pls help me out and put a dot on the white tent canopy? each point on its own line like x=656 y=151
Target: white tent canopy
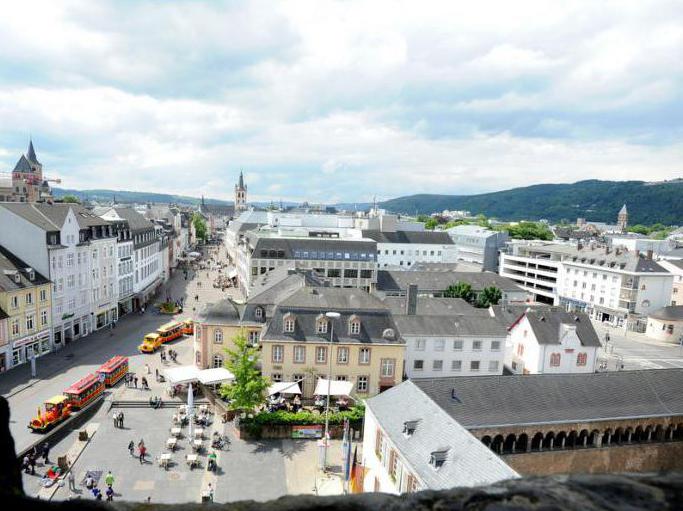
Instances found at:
x=337 y=388
x=182 y=374
x=284 y=387
x=215 y=375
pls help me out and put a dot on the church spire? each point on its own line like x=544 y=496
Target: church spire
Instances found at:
x=31 y=154
x=241 y=182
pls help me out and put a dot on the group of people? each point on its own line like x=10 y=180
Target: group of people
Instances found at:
x=278 y=402
x=172 y=354
x=91 y=485
x=142 y=450
x=28 y=464
x=132 y=381
x=118 y=419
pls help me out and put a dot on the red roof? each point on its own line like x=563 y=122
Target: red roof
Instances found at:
x=83 y=384
x=112 y=364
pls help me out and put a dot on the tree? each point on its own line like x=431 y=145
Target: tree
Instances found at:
x=248 y=390
x=460 y=290
x=489 y=296
x=199 y=226
x=431 y=224
x=71 y=199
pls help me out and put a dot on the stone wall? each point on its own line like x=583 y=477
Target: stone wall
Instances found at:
x=622 y=458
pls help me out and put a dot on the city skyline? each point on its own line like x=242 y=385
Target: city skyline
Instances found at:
x=179 y=97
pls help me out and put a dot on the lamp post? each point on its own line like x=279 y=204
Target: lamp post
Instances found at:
x=332 y=316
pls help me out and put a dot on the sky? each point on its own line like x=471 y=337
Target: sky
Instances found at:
x=331 y=101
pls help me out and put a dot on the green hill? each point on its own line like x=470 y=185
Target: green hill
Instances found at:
x=600 y=201
x=137 y=197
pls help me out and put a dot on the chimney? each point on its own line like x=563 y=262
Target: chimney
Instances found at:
x=411 y=300
x=649 y=254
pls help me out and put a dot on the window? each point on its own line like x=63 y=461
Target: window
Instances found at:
x=362 y=384
x=299 y=354
x=581 y=359
x=411 y=485
x=29 y=322
x=217 y=361
x=520 y=349
x=495 y=345
x=276 y=377
x=554 y=360
x=354 y=327
x=438 y=458
x=342 y=355
x=258 y=313
x=474 y=365
x=15 y=327
x=288 y=326
x=253 y=337
x=387 y=367
x=393 y=464
x=320 y=354
x=278 y=353
x=321 y=326
x=364 y=356
x=476 y=345
x=439 y=345
x=15 y=301
x=29 y=298
x=418 y=365
x=69 y=260
x=43 y=295
x=437 y=365
x=379 y=438
x=218 y=336
x=420 y=345
x=456 y=365
x=493 y=366
x=43 y=318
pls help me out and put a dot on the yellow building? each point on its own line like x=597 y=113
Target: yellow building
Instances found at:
x=365 y=345
x=25 y=297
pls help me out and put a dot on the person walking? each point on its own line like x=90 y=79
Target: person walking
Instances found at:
x=46 y=453
x=115 y=416
x=109 y=479
x=143 y=451
x=121 y=420
x=131 y=448
x=110 y=494
x=72 y=479
x=147 y=370
x=135 y=381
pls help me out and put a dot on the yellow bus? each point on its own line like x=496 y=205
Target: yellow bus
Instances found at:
x=165 y=333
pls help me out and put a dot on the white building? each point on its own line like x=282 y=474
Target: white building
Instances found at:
x=552 y=341
x=666 y=324
x=402 y=249
x=478 y=245
x=411 y=443
x=75 y=249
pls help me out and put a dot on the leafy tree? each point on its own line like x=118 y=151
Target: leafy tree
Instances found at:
x=460 y=290
x=200 y=226
x=489 y=296
x=72 y=199
x=422 y=218
x=482 y=221
x=528 y=231
x=248 y=390
x=431 y=224
x=639 y=229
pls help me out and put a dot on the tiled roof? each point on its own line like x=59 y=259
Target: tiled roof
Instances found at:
x=222 y=312
x=546 y=326
x=490 y=401
x=290 y=245
x=438 y=281
x=423 y=237
x=468 y=461
x=23 y=165
x=217 y=209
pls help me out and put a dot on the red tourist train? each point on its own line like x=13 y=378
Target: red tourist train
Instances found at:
x=79 y=395
x=113 y=370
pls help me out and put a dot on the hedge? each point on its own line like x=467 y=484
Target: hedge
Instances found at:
x=304 y=417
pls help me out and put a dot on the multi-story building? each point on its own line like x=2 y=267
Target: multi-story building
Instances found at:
x=449 y=339
x=550 y=340
x=365 y=348
x=533 y=269
x=25 y=319
x=675 y=267
x=411 y=442
x=478 y=245
x=402 y=249
x=75 y=250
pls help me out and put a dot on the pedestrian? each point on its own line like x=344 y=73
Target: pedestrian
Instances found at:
x=26 y=464
x=121 y=420
x=161 y=356
x=147 y=370
x=144 y=383
x=143 y=451
x=32 y=462
x=135 y=381
x=72 y=479
x=131 y=448
x=110 y=494
x=109 y=478
x=115 y=416
x=46 y=453
x=156 y=373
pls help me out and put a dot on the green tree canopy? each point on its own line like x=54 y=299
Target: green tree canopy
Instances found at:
x=200 y=226
x=527 y=231
x=71 y=199
x=489 y=296
x=248 y=390
x=431 y=224
x=460 y=290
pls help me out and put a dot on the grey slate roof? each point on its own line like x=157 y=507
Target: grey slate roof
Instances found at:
x=546 y=326
x=51 y=217
x=136 y=221
x=307 y=304
x=468 y=461
x=433 y=237
x=31 y=154
x=9 y=266
x=397 y=280
x=490 y=401
x=217 y=209
x=290 y=245
x=23 y=165
x=451 y=326
x=219 y=313
x=430 y=306
x=670 y=313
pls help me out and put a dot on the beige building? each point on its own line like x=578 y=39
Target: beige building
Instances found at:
x=25 y=297
x=365 y=346
x=666 y=324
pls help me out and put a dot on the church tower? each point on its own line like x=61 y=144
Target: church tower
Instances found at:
x=240 y=195
x=622 y=219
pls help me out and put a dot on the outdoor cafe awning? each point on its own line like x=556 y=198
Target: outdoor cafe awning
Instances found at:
x=183 y=374
x=284 y=387
x=337 y=388
x=215 y=375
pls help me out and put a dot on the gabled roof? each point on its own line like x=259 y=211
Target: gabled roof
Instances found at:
x=422 y=237
x=23 y=165
x=623 y=210
x=136 y=221
x=11 y=265
x=451 y=326
x=398 y=280
x=430 y=306
x=222 y=312
x=51 y=217
x=546 y=326
x=491 y=401
x=468 y=461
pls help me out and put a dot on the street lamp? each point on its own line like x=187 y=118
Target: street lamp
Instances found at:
x=332 y=316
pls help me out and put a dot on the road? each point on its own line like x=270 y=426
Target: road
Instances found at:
x=59 y=370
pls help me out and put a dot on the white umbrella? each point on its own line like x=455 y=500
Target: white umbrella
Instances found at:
x=190 y=408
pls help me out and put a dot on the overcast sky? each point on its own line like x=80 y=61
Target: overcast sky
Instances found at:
x=340 y=101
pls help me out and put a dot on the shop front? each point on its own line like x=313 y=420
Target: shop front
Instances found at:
x=30 y=346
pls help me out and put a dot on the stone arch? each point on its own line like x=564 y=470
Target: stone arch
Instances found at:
x=549 y=440
x=628 y=435
x=658 y=433
x=497 y=444
x=594 y=438
x=582 y=441
x=619 y=435
x=572 y=439
x=486 y=440
x=510 y=444
x=560 y=440
x=678 y=432
x=537 y=442
x=669 y=433
x=639 y=434
x=606 y=437
x=647 y=434
x=523 y=443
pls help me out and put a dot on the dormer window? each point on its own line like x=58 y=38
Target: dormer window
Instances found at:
x=389 y=334
x=321 y=324
x=258 y=313
x=354 y=325
x=17 y=278
x=409 y=427
x=31 y=274
x=288 y=324
x=438 y=458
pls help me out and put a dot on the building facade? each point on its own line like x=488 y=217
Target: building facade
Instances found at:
x=478 y=245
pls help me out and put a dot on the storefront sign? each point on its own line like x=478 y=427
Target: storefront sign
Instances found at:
x=310 y=431
x=30 y=339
